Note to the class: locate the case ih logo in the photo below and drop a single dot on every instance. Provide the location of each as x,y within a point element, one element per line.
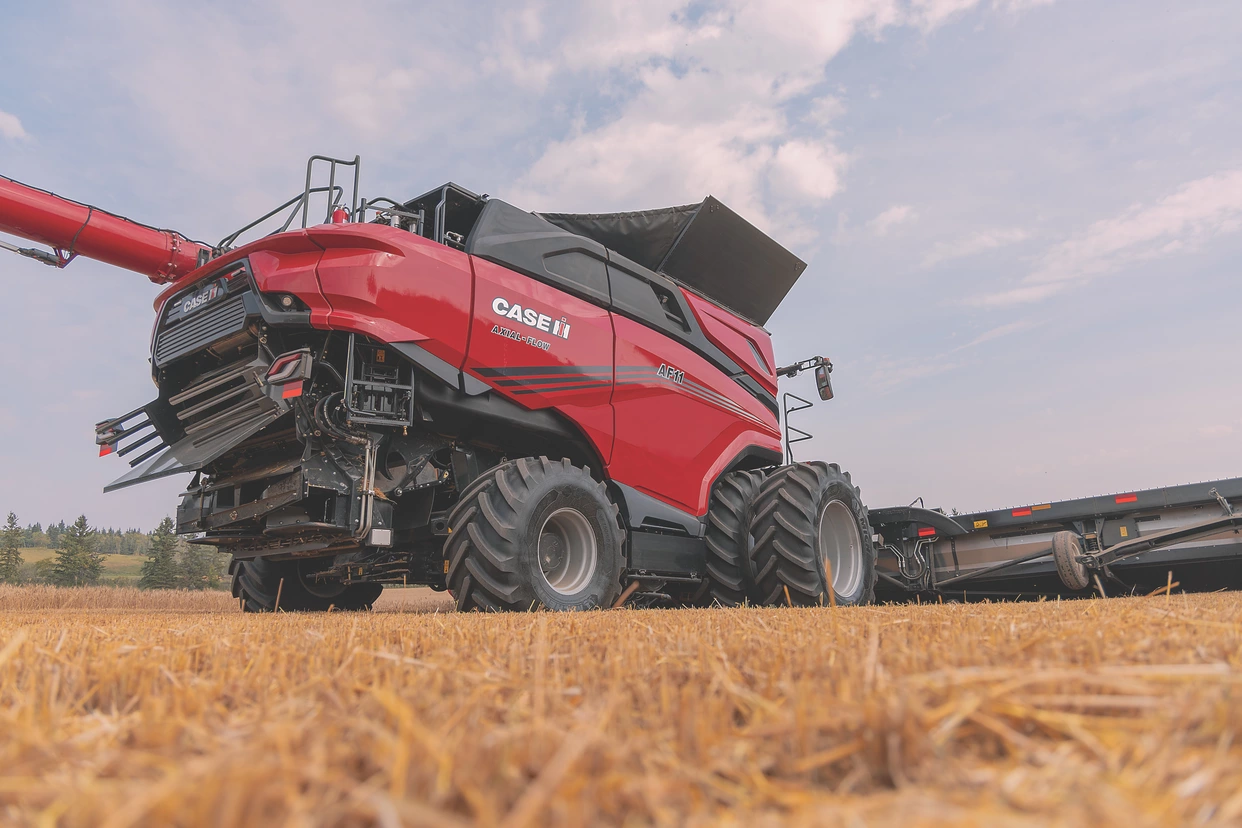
<point>530,318</point>
<point>197,300</point>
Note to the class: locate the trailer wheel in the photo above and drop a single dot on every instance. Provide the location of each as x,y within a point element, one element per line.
<point>259,583</point>
<point>730,577</point>
<point>535,533</point>
<point>1065,551</point>
<point>808,521</point>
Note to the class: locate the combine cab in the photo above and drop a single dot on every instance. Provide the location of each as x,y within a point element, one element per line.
<point>529,410</point>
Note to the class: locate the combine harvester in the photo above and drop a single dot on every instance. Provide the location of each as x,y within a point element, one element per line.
<point>542,410</point>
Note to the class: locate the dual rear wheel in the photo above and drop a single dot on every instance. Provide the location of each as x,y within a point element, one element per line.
<point>804,541</point>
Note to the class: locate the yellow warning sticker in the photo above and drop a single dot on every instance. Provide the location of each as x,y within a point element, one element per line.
<point>981,524</point>
<point>1125,532</point>
<point>446,567</point>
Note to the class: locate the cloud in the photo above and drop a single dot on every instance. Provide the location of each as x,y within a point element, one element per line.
<point>973,244</point>
<point>997,333</point>
<point>1187,218</point>
<point>932,13</point>
<point>724,97</point>
<point>11,127</point>
<point>888,375</point>
<point>890,218</point>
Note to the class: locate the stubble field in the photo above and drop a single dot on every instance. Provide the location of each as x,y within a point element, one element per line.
<point>121,708</point>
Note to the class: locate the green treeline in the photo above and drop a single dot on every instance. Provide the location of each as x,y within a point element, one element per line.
<point>80,551</point>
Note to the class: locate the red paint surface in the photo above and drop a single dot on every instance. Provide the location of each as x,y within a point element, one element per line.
<point>674,439</point>
<point>579,394</point>
<point>160,255</point>
<point>734,336</point>
<point>394,286</point>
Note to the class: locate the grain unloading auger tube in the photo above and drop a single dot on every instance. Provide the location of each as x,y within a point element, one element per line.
<point>72,229</point>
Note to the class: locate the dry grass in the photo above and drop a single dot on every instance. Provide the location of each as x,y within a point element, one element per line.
<point>34,598</point>
<point>50,598</point>
<point>1122,711</point>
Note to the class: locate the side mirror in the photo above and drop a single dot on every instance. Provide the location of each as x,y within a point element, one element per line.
<point>823,382</point>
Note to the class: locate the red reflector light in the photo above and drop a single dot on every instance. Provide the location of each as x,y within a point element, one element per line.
<point>1021,512</point>
<point>293,389</point>
<point>1127,498</point>
<point>105,450</point>
<point>926,532</point>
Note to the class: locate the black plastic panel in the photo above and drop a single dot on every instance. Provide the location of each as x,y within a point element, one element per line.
<point>526,243</point>
<point>668,554</point>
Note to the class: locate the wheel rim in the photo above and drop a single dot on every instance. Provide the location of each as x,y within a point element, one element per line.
<point>568,552</point>
<point>840,548</point>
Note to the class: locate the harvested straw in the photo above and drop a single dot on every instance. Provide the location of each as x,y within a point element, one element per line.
<point>1085,712</point>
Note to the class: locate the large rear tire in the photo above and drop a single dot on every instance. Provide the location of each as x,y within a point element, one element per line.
<point>534,533</point>
<point>811,536</point>
<point>258,584</point>
<point>730,578</point>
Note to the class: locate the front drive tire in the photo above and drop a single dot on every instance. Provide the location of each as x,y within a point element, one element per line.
<point>807,520</point>
<point>258,584</point>
<point>535,533</point>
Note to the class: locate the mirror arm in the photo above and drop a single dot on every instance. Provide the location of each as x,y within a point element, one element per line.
<point>805,365</point>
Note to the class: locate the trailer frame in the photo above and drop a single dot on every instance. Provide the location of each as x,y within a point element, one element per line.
<point>922,550</point>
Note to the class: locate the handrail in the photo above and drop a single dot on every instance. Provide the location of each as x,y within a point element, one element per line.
<point>298,202</point>
<point>802,435</point>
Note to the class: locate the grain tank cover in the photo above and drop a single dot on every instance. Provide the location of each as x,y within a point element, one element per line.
<point>706,247</point>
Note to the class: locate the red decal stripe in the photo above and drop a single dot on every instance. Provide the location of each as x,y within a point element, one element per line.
<point>1127,498</point>
<point>1021,512</point>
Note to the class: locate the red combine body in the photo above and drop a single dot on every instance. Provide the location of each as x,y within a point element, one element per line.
<point>526,409</point>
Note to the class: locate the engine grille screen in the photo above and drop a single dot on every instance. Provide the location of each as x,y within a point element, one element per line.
<point>201,329</point>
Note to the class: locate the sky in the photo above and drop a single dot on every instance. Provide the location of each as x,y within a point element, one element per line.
<point>1022,218</point>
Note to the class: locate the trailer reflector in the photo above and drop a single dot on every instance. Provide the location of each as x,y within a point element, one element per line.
<point>981,524</point>
<point>1126,498</point>
<point>105,449</point>
<point>1041,507</point>
<point>926,532</point>
<point>1022,512</point>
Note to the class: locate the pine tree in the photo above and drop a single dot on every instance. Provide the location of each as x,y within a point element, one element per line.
<point>78,563</point>
<point>201,566</point>
<point>10,551</point>
<point>160,571</point>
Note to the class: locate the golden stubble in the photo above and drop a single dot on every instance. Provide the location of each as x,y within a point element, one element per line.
<point>121,708</point>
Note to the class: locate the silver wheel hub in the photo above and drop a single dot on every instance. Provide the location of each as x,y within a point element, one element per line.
<point>840,548</point>
<point>568,551</point>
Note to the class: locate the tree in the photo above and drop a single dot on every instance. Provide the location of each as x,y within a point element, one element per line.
<point>160,571</point>
<point>201,566</point>
<point>78,563</point>
<point>10,551</point>
<point>54,534</point>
